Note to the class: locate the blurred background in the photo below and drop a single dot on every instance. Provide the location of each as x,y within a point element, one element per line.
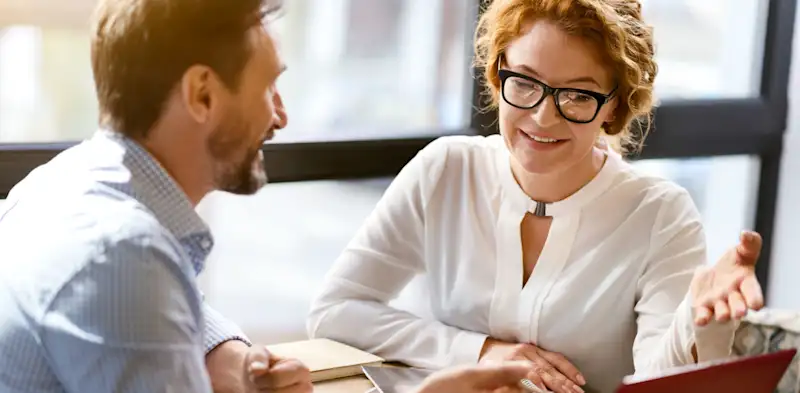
<point>380,78</point>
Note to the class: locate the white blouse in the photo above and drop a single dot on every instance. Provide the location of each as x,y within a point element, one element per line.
<point>609,291</point>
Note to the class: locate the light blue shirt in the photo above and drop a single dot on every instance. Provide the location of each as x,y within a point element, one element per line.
<point>99,249</point>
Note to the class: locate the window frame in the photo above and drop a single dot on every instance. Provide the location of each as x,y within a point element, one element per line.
<point>681,129</point>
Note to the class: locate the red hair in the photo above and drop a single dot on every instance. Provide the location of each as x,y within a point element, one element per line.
<point>614,26</point>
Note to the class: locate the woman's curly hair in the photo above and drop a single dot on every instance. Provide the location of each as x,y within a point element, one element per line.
<point>615,26</point>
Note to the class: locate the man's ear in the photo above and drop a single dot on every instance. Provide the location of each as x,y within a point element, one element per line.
<point>197,90</point>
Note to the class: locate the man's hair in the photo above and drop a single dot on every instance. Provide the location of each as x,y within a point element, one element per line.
<point>142,48</point>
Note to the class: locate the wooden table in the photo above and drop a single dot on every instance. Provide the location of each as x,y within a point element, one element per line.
<point>357,384</point>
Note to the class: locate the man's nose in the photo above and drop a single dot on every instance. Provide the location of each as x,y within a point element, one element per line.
<point>280,118</point>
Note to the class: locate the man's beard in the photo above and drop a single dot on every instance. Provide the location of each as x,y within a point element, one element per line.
<point>239,167</point>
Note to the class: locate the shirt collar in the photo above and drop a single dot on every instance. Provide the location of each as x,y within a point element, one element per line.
<point>150,184</point>
<point>601,183</point>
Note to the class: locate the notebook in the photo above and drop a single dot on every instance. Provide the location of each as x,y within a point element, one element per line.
<point>753,374</point>
<point>327,359</point>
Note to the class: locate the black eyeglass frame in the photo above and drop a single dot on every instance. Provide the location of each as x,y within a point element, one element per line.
<point>601,98</point>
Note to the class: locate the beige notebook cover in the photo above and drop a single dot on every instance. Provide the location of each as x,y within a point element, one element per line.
<point>327,359</point>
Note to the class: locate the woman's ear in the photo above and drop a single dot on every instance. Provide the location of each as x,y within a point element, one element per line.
<point>611,116</point>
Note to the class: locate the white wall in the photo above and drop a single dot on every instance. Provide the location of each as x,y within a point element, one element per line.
<point>784,288</point>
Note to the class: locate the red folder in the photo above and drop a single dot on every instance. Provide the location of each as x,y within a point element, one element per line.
<point>753,374</point>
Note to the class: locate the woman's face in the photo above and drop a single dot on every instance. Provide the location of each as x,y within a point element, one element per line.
<point>540,139</point>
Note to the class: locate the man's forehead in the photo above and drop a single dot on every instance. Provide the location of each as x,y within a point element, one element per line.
<point>274,38</point>
<point>268,47</point>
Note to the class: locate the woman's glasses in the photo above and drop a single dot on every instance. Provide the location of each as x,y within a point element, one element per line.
<point>575,105</point>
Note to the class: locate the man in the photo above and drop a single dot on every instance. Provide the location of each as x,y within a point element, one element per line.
<point>104,239</point>
<point>102,244</point>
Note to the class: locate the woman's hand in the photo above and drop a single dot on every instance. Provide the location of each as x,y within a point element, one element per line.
<point>729,288</point>
<point>548,369</point>
<point>486,378</point>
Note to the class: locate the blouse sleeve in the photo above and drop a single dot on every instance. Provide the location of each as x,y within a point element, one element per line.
<point>666,333</point>
<point>387,252</point>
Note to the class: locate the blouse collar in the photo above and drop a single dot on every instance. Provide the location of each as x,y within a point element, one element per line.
<point>573,203</point>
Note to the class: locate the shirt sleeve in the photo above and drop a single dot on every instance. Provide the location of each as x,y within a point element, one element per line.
<point>128,322</point>
<point>219,330</point>
<point>666,330</point>
<point>384,256</point>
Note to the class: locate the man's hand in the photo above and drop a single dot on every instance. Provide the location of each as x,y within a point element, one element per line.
<point>484,378</point>
<point>236,368</point>
<point>265,372</point>
<point>729,288</point>
<point>546,369</point>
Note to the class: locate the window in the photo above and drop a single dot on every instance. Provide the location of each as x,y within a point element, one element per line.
<point>364,69</point>
<point>358,69</point>
<point>301,228</point>
<point>361,69</point>
<point>46,86</point>
<point>708,48</point>
<point>723,188</point>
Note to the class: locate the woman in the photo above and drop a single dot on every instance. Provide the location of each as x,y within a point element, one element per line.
<point>539,235</point>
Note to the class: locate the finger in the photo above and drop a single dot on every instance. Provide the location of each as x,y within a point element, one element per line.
<point>537,380</point>
<point>720,294</point>
<point>702,281</point>
<point>495,376</point>
<point>558,383</point>
<point>257,369</point>
<point>284,374</point>
<point>564,366</point>
<point>751,291</point>
<point>569,386</point>
<point>749,247</point>
<point>550,383</point>
<point>702,315</point>
<point>257,362</point>
<point>721,311</point>
<point>551,377</point>
<point>736,305</point>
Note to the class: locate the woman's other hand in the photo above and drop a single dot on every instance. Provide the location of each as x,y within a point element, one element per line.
<point>549,370</point>
<point>730,288</point>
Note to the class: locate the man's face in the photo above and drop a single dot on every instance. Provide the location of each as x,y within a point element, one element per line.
<point>251,116</point>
